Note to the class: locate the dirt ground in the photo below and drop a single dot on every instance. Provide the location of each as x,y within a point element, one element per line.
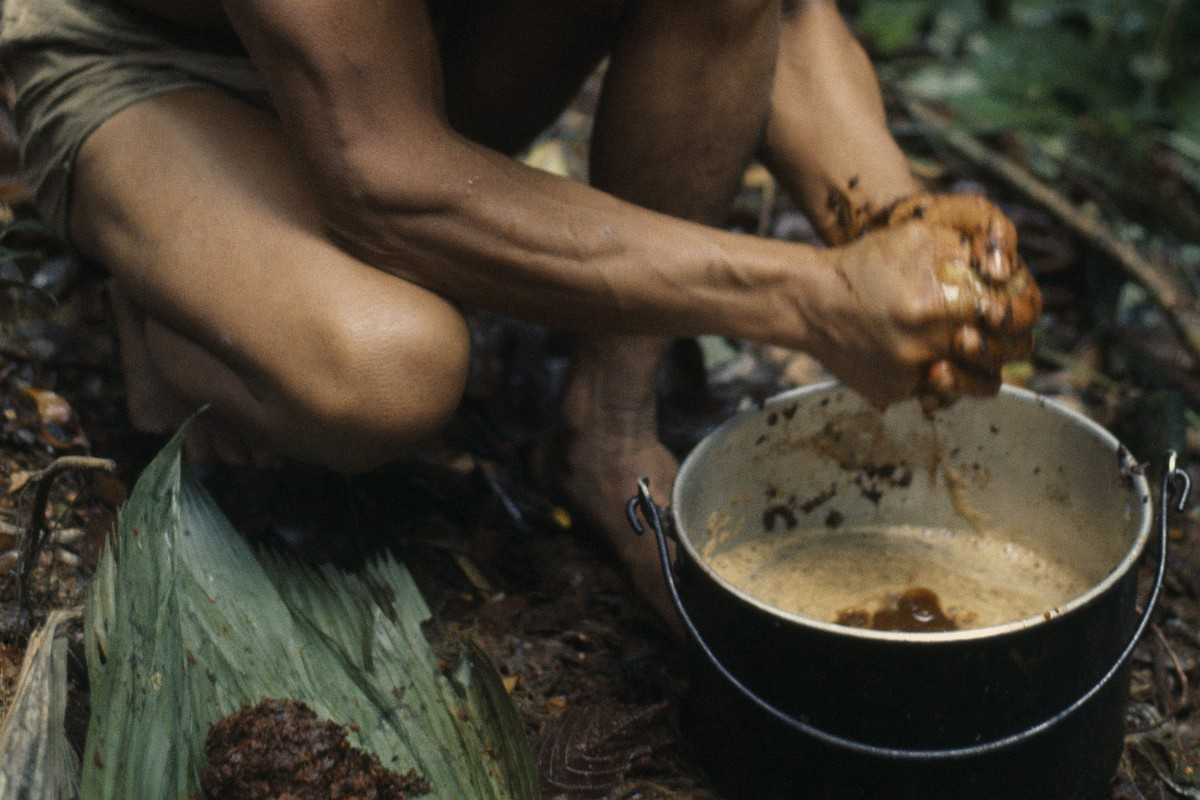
<point>597,681</point>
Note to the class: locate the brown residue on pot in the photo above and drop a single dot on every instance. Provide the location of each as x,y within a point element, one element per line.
<point>784,414</point>
<point>915,610</point>
<point>841,439</point>
<point>814,502</point>
<point>956,485</point>
<point>775,513</point>
<point>874,462</point>
<point>872,479</point>
<point>721,529</point>
<point>1127,466</point>
<point>786,511</point>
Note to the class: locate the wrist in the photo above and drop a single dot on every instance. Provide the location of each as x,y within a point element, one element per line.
<point>792,283</point>
<point>853,209</point>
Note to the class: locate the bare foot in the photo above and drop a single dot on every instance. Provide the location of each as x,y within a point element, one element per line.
<point>596,480</point>
<point>604,441</point>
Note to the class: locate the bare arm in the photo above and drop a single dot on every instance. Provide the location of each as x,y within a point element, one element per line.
<point>358,88</point>
<point>357,85</point>
<point>827,140</point>
<point>828,144</point>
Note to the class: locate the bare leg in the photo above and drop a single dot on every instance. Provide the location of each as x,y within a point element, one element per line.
<point>681,113</point>
<point>154,406</point>
<point>683,108</point>
<point>511,66</point>
<point>229,294</point>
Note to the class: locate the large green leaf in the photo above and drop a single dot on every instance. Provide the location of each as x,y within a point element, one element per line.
<point>185,624</point>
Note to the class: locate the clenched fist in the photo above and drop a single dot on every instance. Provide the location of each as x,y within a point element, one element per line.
<point>942,301</point>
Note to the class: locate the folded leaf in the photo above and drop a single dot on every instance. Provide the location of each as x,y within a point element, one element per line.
<point>186,624</point>
<point>36,760</point>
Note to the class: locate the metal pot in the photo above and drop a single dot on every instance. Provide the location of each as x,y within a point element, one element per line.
<point>793,704</point>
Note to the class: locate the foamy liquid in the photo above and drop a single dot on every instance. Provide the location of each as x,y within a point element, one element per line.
<point>981,579</point>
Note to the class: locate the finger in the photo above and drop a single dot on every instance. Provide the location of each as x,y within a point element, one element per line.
<point>987,351</point>
<point>1012,311</point>
<point>979,347</point>
<point>988,233</point>
<point>1000,261</point>
<point>945,381</point>
<point>980,383</point>
<point>932,402</point>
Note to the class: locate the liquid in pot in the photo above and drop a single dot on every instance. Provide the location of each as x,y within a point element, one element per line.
<point>979,579</point>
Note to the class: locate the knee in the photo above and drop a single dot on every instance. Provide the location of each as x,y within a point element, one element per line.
<point>387,382</point>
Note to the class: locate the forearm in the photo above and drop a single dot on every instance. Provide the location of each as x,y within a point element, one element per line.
<point>827,141</point>
<point>497,234</point>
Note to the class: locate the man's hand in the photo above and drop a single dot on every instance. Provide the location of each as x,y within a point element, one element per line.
<point>940,301</point>
<point>1006,299</point>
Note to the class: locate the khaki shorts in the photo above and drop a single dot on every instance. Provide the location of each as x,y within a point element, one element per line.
<point>76,63</point>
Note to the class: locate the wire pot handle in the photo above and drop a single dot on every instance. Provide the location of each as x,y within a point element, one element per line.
<point>1174,482</point>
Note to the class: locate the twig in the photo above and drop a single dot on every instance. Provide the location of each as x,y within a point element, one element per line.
<point>1170,706</point>
<point>30,543</point>
<point>1171,295</point>
<point>1074,366</point>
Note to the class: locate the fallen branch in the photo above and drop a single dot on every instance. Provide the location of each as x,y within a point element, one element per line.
<point>30,544</point>
<point>1170,294</point>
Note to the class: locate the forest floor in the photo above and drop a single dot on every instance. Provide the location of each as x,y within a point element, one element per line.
<point>586,663</point>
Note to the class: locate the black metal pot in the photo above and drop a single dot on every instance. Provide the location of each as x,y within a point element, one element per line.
<point>790,706</point>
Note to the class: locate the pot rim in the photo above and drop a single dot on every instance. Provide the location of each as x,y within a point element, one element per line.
<point>1139,485</point>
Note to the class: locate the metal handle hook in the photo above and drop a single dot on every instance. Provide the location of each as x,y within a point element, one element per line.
<point>639,499</point>
<point>1178,479</point>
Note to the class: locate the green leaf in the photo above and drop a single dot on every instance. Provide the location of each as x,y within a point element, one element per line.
<point>185,624</point>
<point>1186,108</point>
<point>36,760</point>
<point>26,226</point>
<point>895,26</point>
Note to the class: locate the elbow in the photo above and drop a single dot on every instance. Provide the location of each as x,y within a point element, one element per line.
<point>376,191</point>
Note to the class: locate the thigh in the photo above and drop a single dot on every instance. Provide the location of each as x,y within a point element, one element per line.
<point>194,203</point>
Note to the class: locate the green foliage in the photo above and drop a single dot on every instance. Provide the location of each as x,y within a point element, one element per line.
<point>185,625</point>
<point>1042,65</point>
<point>1104,92</point>
<point>896,26</point>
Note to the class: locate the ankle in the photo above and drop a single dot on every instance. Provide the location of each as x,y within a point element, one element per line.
<point>590,409</point>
